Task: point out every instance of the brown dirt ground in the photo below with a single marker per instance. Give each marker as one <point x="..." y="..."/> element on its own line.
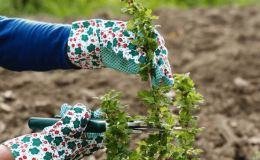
<point x="219" y="47"/>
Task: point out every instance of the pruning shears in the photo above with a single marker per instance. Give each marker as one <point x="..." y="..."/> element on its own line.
<point x="94" y="125"/>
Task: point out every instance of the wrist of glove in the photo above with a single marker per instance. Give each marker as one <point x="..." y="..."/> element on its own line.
<point x="64" y="140"/>
<point x="96" y="44"/>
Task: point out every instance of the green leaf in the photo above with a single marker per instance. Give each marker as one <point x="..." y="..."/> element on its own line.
<point x="183" y="113"/>
<point x="167" y="100"/>
<point x="157" y="26"/>
<point x="155" y="17"/>
<point x="122" y="116"/>
<point x="135" y="42"/>
<point x="148" y="12"/>
<point x="180" y="103"/>
<point x="196" y="107"/>
<point x="113" y="148"/>
<point x="150" y="100"/>
<point x="198" y="150"/>
<point x="193" y="124"/>
<point x="104" y="105"/>
<point x="186" y="135"/>
<point x="163" y="109"/>
<point x="136" y="117"/>
<point x="119" y="144"/>
<point x="123" y="107"/>
<point x="152" y="139"/>
<point x="118" y="95"/>
<point x="111" y="92"/>
<point x="143" y="73"/>
<point x="124" y="9"/>
<point x="141" y="143"/>
<point x="142" y="93"/>
<point x="152" y="151"/>
<point x="200" y="129"/>
<point x="135" y="155"/>
<point x="150" y="55"/>
<point x="176" y="154"/>
<point x="170" y="120"/>
<point x="178" y="133"/>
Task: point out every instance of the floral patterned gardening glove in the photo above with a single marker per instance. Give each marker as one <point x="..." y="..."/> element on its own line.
<point x="64" y="140"/>
<point x="95" y="44"/>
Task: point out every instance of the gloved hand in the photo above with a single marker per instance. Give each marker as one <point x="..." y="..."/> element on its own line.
<point x="96" y="44"/>
<point x="64" y="140"/>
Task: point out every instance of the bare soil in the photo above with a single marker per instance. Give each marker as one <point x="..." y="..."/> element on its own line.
<point x="219" y="47"/>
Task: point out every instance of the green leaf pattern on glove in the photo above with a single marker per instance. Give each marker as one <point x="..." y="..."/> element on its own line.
<point x="96" y="114"/>
<point x="96" y="43"/>
<point x="64" y="140"/>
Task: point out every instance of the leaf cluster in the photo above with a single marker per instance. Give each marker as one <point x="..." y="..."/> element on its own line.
<point x="181" y="128"/>
<point x="142" y="25"/>
<point x="157" y="145"/>
<point x="187" y="100"/>
<point x="117" y="138"/>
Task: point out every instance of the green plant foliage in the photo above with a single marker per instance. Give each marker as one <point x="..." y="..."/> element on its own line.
<point x="142" y="26"/>
<point x="159" y="144"/>
<point x="179" y="128"/>
<point x="117" y="139"/>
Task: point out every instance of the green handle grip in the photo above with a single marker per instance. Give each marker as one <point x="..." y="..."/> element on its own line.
<point x="94" y="125"/>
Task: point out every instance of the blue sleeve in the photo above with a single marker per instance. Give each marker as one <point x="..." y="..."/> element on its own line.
<point x="35" y="46"/>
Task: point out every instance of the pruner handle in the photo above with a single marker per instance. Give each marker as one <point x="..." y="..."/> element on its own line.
<point x="94" y="125"/>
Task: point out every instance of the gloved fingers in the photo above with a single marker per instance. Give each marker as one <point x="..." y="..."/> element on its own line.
<point x="159" y="73"/>
<point x="158" y="38"/>
<point x="164" y="76"/>
<point x="162" y="66"/>
<point x="168" y="79"/>
<point x="115" y="37"/>
<point x="64" y="108"/>
<point x="88" y="147"/>
<point x="96" y="114"/>
<point x="85" y="147"/>
<point x="75" y="119"/>
<point x="155" y="82"/>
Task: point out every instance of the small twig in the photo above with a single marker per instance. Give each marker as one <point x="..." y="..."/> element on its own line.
<point x="150" y="78"/>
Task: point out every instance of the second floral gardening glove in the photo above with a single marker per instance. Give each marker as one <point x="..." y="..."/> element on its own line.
<point x="95" y="44"/>
<point x="64" y="140"/>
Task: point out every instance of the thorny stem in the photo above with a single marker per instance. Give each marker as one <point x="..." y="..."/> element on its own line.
<point x="160" y="135"/>
<point x="158" y="111"/>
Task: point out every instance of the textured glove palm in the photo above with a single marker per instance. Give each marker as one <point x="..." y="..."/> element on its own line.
<point x="95" y="44"/>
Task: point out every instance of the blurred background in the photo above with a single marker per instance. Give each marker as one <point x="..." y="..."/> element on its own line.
<point x="217" y="41"/>
<point x="59" y="8"/>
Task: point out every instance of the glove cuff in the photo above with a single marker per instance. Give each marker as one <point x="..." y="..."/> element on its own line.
<point x="31" y="146"/>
